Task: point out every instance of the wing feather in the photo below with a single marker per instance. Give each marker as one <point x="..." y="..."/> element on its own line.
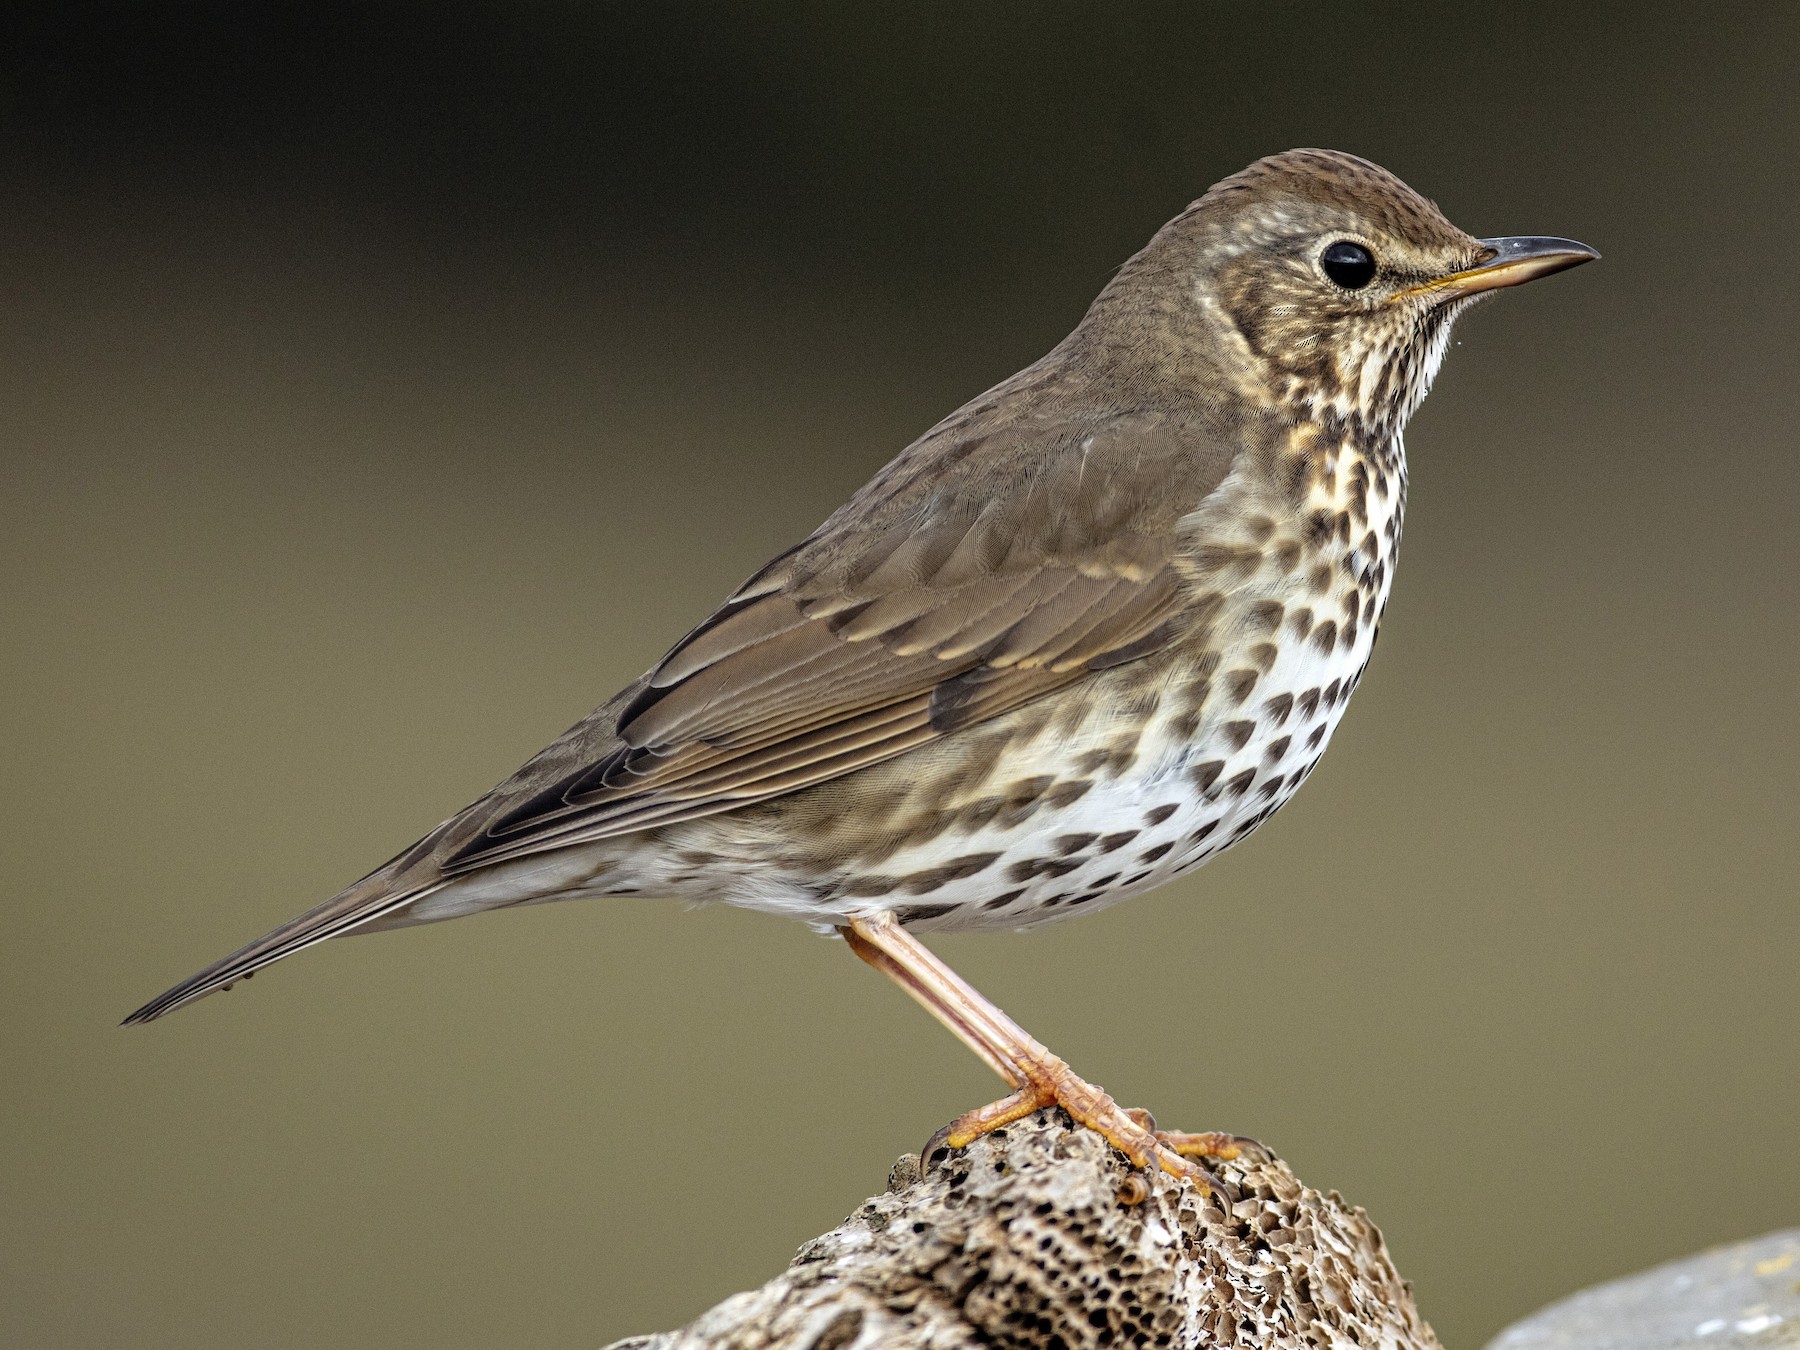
<point x="999" y="558"/>
<point x="928" y="603"/>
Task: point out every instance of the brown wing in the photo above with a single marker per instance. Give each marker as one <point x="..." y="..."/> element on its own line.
<point x="976" y="573"/>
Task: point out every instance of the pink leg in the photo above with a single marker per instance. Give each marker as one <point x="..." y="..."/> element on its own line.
<point x="1039" y="1077"/>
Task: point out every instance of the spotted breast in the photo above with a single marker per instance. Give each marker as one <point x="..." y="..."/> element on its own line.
<point x="1067" y="806"/>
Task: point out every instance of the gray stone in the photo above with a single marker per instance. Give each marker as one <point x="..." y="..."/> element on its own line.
<point x="1742" y="1297"/>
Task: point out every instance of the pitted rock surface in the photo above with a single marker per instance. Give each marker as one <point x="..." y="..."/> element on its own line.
<point x="1022" y="1242"/>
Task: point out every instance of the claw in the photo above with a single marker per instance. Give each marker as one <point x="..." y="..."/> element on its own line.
<point x="1183" y="1170"/>
<point x="940" y="1139"/>
<point x="1225" y="1147"/>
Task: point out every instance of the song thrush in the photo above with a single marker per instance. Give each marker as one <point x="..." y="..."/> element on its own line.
<point x="1088" y="631"/>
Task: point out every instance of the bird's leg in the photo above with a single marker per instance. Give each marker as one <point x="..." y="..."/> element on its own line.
<point x="1041" y="1079"/>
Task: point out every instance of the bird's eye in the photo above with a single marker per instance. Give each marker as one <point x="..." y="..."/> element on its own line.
<point x="1350" y="265"/>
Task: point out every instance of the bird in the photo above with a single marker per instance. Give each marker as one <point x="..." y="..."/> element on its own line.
<point x="1086" y="633"/>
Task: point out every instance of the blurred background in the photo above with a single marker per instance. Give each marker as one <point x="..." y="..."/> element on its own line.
<point x="385" y="384"/>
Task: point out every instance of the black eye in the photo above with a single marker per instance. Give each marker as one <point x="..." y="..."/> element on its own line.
<point x="1350" y="265"/>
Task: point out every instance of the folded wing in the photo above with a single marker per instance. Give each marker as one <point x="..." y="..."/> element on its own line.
<point x="952" y="590"/>
<point x="978" y="571"/>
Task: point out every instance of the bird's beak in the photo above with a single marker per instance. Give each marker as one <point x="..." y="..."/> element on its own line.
<point x="1511" y="262"/>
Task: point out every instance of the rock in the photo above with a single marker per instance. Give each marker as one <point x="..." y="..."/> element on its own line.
<point x="1041" y="1237"/>
<point x="1742" y="1297"/>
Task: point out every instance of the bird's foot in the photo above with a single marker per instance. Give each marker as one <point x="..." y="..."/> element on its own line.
<point x="1208" y="1144"/>
<point x="1132" y="1132"/>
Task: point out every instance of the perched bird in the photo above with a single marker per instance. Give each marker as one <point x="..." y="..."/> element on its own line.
<point x="1087" y="632"/>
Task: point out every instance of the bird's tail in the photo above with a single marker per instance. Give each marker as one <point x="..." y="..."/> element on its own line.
<point x="376" y="896"/>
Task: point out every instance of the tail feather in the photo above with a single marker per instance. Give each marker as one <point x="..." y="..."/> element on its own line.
<point x="368" y="900"/>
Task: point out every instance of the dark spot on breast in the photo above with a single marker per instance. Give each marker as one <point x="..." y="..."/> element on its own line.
<point x="1325" y="637"/>
<point x="1237" y="734"/>
<point x="1065" y="793"/>
<point x="1203" y="831"/>
<point x="1102" y="883"/>
<point x="1151" y="855"/>
<point x="955" y="870"/>
<point x="1238" y="684"/>
<point x="1278" y="708"/>
<point x="1028" y="790"/>
<point x="1227" y="558"/>
<point x="1318" y="736"/>
<point x="1239" y="784"/>
<point x="927" y="825"/>
<point x="1113" y="760"/>
<point x="1003" y="900"/>
<point x="1020" y="801"/>
<point x="978" y="813"/>
<point x="1205" y="775"/>
<point x="1309" y="703"/>
<point x="1195" y="693"/>
<point x="1302" y="620"/>
<point x="870" y="886"/>
<point x="1074" y="843"/>
<point x="1134" y="878"/>
<point x="1266" y="615"/>
<point x="1158" y="814"/>
<point x="1331" y="693"/>
<point x="1277" y="748"/>
<point x="919" y="913"/>
<point x="1113" y="842"/>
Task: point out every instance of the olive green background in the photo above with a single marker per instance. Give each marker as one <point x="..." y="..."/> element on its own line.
<point x="382" y="386"/>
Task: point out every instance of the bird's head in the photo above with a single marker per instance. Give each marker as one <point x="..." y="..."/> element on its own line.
<point x="1328" y="286"/>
